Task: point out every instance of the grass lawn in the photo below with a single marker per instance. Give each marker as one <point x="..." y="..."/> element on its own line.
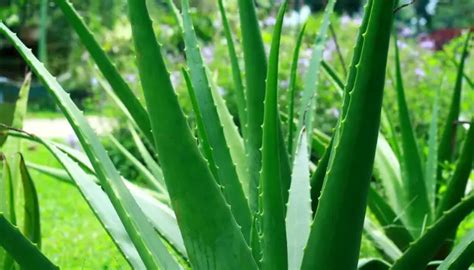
<point x="72" y="237"/>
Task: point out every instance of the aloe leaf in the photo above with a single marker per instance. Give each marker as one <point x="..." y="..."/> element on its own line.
<point x="462" y="255"/>
<point x="216" y="234"/>
<point x="317" y="179"/>
<point x="445" y="149"/>
<point x="390" y="222"/>
<point x="424" y="248"/>
<point x="98" y="202"/>
<point x="236" y="75"/>
<point x="150" y="162"/>
<point x="255" y="74"/>
<point x="150" y="248"/>
<point x="151" y="181"/>
<point x="298" y="213"/>
<point x="372" y="264"/>
<point x="292" y="89"/>
<point x="274" y="234"/>
<point x="203" y="139"/>
<point x="432" y="159"/>
<point x="226" y="170"/>
<point x="159" y="214"/>
<point x="331" y="73"/>
<point x="25" y="253"/>
<point x="232" y="136"/>
<point x="457" y="184"/>
<point x="383" y="244"/>
<point x="340" y="215"/>
<point x="387" y="170"/>
<point x="412" y="171"/>
<point x="311" y="80"/>
<point x="7" y="206"/>
<point x="119" y="86"/>
<point x="32" y="225"/>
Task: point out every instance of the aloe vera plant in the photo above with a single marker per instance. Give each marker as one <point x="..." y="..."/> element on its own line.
<point x="229" y="198"/>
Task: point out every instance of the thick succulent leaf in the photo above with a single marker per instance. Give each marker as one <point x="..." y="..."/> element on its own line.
<point x="445" y="149"/>
<point x="340" y="215"/>
<point x="25" y="253"/>
<point x="317" y="179"/>
<point x="255" y="74"/>
<point x="457" y="184"/>
<point x="119" y="86"/>
<point x="390" y="222"/>
<point x="412" y="172"/>
<point x="232" y="136"/>
<point x="151" y="181"/>
<point x="159" y="214"/>
<point x="12" y="113"/>
<point x="150" y="248"/>
<point x="432" y="159"/>
<point x="311" y="80"/>
<point x="150" y="162"/>
<point x="31" y="221"/>
<point x="383" y="244"/>
<point x="387" y="170"/>
<point x="215" y="235"/>
<point x="292" y="90"/>
<point x="204" y="145"/>
<point x="225" y="168"/>
<point x="372" y="264"/>
<point x="298" y="212"/>
<point x="424" y="248"/>
<point x="7" y="206"/>
<point x="462" y="255"/>
<point x="98" y="202"/>
<point x="236" y="75"/>
<point x="331" y="73"/>
<point x="274" y="233"/>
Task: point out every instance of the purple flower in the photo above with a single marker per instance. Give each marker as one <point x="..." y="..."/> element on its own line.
<point x="427" y="44"/>
<point x="420" y="72"/>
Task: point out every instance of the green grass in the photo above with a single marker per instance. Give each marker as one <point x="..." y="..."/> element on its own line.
<point x="72" y="236"/>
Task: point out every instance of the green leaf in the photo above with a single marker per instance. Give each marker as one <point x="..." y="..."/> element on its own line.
<point x="236" y="75"/>
<point x="204" y="141"/>
<point x="192" y="188"/>
<point x="390" y="222"/>
<point x="119" y="86"/>
<point x="98" y="202"/>
<point x="273" y="215"/>
<point x="462" y="255"/>
<point x="457" y="184"/>
<point x="298" y="213"/>
<point x="32" y="221"/>
<point x="317" y="179"/>
<point x="372" y="264"/>
<point x="311" y="80"/>
<point x="432" y="159"/>
<point x="25" y="253"/>
<point x="151" y="181"/>
<point x="150" y="162"/>
<point x="150" y="248"/>
<point x="7" y="206"/>
<point x="387" y="170"/>
<point x="383" y="244"/>
<point x="340" y="215"/>
<point x="232" y="136"/>
<point x="225" y="168"/>
<point x="412" y="172"/>
<point x="292" y="90"/>
<point x="424" y="248"/>
<point x="255" y="74"/>
<point x="445" y="149"/>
